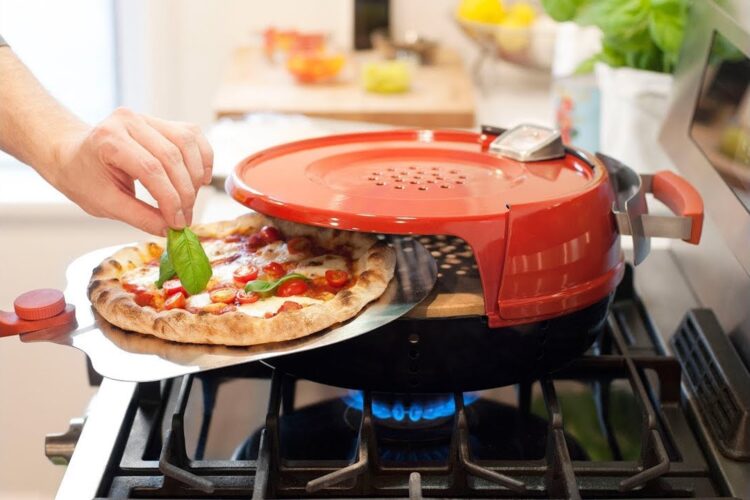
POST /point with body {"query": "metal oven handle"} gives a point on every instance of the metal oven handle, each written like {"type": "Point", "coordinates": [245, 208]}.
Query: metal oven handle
{"type": "Point", "coordinates": [631, 209]}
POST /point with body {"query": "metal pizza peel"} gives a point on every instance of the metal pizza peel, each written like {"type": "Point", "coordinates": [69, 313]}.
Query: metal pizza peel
{"type": "Point", "coordinates": [129, 356]}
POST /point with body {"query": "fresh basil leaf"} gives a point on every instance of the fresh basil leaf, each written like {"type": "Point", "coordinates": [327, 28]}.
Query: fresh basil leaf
{"type": "Point", "coordinates": [611, 55]}
{"type": "Point", "coordinates": [563, 10]}
{"type": "Point", "coordinates": [666, 24]}
{"type": "Point", "coordinates": [643, 34]}
{"type": "Point", "coordinates": [189, 260]}
{"type": "Point", "coordinates": [166, 269]}
{"type": "Point", "coordinates": [586, 67]}
{"type": "Point", "coordinates": [259, 286]}
{"type": "Point", "coordinates": [291, 277]}
{"type": "Point", "coordinates": [618, 18]}
{"type": "Point", "coordinates": [265, 287]}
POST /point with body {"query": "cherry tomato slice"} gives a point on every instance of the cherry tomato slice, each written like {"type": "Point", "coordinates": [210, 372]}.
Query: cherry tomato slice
{"type": "Point", "coordinates": [233, 238]}
{"type": "Point", "coordinates": [133, 288]}
{"type": "Point", "coordinates": [215, 284]}
{"type": "Point", "coordinates": [300, 244]}
{"type": "Point", "coordinates": [289, 306]}
{"type": "Point", "coordinates": [319, 283]}
{"type": "Point", "coordinates": [274, 269]}
{"type": "Point", "coordinates": [245, 273]}
{"type": "Point", "coordinates": [175, 301]}
{"type": "Point", "coordinates": [244, 297]}
{"type": "Point", "coordinates": [172, 287]}
{"type": "Point", "coordinates": [148, 298]}
{"type": "Point", "coordinates": [296, 286]}
{"type": "Point", "coordinates": [255, 241]}
{"type": "Point", "coordinates": [223, 295]}
{"type": "Point", "coordinates": [337, 278]}
{"type": "Point", "coordinates": [270, 234]}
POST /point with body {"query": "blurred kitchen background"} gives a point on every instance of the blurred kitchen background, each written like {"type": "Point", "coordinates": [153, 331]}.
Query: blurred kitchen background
{"type": "Point", "coordinates": [255, 73]}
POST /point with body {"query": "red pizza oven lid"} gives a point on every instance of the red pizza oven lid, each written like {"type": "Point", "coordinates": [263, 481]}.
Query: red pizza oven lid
{"type": "Point", "coordinates": [404, 181]}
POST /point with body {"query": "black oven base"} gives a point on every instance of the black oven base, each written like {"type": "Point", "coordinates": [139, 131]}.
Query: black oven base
{"type": "Point", "coordinates": [450, 354]}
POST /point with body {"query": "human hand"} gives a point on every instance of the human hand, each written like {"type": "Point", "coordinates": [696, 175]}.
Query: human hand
{"type": "Point", "coordinates": [97, 169]}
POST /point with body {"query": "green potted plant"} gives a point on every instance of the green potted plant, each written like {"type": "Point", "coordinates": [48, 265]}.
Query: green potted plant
{"type": "Point", "coordinates": [641, 42]}
{"type": "Point", "coordinates": [640, 34]}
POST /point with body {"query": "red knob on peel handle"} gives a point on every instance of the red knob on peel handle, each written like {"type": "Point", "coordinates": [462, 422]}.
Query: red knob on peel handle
{"type": "Point", "coordinates": [39, 304]}
{"type": "Point", "coordinates": [37, 310]}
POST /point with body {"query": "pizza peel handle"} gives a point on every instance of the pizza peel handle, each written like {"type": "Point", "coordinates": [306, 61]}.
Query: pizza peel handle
{"type": "Point", "coordinates": [37, 310]}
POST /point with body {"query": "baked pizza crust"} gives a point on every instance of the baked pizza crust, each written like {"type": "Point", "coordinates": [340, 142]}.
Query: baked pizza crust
{"type": "Point", "coordinates": [373, 267]}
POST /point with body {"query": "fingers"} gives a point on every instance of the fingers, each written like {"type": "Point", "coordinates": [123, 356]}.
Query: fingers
{"type": "Point", "coordinates": [207, 155]}
{"type": "Point", "coordinates": [196, 151]}
{"type": "Point", "coordinates": [125, 153]}
{"type": "Point", "coordinates": [135, 212]}
{"type": "Point", "coordinates": [171, 159]}
{"type": "Point", "coordinates": [185, 139]}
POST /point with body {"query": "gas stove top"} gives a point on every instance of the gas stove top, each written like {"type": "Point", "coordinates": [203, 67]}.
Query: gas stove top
{"type": "Point", "coordinates": [612, 424]}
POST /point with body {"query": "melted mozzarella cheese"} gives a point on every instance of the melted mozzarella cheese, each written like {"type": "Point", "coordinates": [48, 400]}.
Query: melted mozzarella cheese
{"type": "Point", "coordinates": [224, 273]}
{"type": "Point", "coordinates": [317, 266]}
{"type": "Point", "coordinates": [143, 276]}
{"type": "Point", "coordinates": [256, 309]}
{"type": "Point", "coordinates": [272, 304]}
{"type": "Point", "coordinates": [198, 301]}
{"type": "Point", "coordinates": [219, 249]}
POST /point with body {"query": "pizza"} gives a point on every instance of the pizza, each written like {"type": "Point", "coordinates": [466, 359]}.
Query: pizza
{"type": "Point", "coordinates": [324, 276]}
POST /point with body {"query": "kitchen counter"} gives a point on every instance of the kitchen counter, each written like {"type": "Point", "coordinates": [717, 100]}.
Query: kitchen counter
{"type": "Point", "coordinates": [442, 95]}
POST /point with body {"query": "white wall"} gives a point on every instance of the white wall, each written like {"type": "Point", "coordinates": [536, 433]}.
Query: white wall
{"type": "Point", "coordinates": [69, 49]}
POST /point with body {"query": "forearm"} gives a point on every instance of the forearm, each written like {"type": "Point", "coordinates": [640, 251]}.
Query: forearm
{"type": "Point", "coordinates": [33, 125]}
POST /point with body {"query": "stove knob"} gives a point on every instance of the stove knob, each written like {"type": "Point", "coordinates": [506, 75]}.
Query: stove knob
{"type": "Point", "coordinates": [59, 447]}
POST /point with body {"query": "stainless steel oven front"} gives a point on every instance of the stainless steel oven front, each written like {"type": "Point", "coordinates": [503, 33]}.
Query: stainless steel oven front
{"type": "Point", "coordinates": [706, 134]}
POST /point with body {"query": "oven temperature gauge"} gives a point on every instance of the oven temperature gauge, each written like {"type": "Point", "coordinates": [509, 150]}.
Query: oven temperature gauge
{"type": "Point", "coordinates": [529, 143]}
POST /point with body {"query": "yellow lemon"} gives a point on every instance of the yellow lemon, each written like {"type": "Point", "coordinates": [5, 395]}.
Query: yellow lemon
{"type": "Point", "coordinates": [519, 15]}
{"type": "Point", "coordinates": [483, 11]}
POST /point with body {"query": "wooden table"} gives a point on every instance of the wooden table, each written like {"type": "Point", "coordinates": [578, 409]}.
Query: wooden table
{"type": "Point", "coordinates": [442, 95]}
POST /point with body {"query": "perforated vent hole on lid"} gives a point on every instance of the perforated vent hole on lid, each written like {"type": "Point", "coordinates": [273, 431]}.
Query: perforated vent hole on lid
{"type": "Point", "coordinates": [412, 177]}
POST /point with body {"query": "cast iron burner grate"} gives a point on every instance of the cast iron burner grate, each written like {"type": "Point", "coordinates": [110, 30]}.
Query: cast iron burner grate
{"type": "Point", "coordinates": [670, 465]}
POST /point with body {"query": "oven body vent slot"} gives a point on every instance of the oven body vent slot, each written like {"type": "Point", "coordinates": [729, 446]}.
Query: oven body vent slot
{"type": "Point", "coordinates": [717, 380]}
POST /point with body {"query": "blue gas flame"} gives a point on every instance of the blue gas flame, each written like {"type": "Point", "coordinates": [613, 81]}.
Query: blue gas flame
{"type": "Point", "coordinates": [440, 407]}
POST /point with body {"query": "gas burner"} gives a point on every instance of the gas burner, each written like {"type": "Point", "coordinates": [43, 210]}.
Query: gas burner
{"type": "Point", "coordinates": [409, 410]}
{"type": "Point", "coordinates": [496, 431]}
